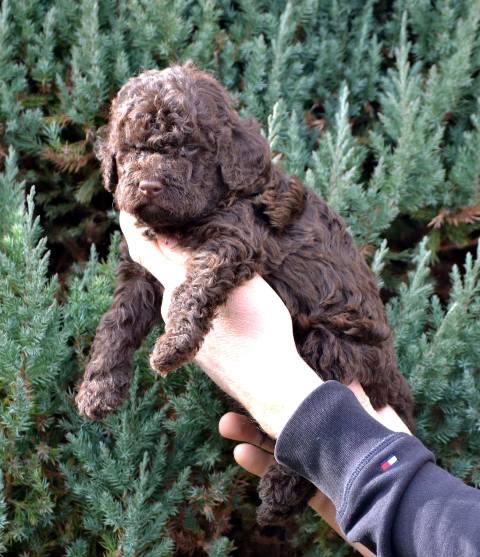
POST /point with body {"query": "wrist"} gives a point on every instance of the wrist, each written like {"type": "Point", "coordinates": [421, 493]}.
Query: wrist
{"type": "Point", "coordinates": [263, 372]}
{"type": "Point", "coordinates": [289, 384]}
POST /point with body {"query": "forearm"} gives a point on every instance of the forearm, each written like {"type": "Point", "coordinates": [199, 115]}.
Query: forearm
{"type": "Point", "coordinates": [411, 507]}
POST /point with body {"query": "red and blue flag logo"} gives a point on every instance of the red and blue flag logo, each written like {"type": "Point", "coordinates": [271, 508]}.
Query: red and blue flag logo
{"type": "Point", "coordinates": [387, 464]}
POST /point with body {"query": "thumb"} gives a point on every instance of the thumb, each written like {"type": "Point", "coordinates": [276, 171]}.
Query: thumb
{"type": "Point", "coordinates": [362, 398]}
{"type": "Point", "coordinates": [161, 257]}
{"type": "Point", "coordinates": [386, 415]}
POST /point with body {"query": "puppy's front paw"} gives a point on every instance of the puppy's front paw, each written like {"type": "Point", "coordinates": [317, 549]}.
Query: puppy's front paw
{"type": "Point", "coordinates": [90, 401]}
{"type": "Point", "coordinates": [171, 352]}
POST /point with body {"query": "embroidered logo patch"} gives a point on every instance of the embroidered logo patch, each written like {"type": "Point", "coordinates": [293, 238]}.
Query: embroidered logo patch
{"type": "Point", "coordinates": [387, 464]}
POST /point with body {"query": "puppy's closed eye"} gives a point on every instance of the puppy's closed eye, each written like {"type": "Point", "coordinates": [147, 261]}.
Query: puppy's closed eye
{"type": "Point", "coordinates": [149, 150]}
{"type": "Point", "coordinates": [189, 150]}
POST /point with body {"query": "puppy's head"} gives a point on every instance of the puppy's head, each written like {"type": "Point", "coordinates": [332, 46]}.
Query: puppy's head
{"type": "Point", "coordinates": [175, 148]}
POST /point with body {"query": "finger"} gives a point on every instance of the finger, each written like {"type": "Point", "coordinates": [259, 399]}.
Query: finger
{"type": "Point", "coordinates": [168, 245]}
{"type": "Point", "coordinates": [239, 428]}
{"type": "Point", "coordinates": [127, 222]}
{"type": "Point", "coordinates": [141, 249]}
{"type": "Point", "coordinates": [160, 257]}
{"type": "Point", "coordinates": [362, 398]}
{"type": "Point", "coordinates": [133, 230]}
{"type": "Point", "coordinates": [386, 415]}
{"type": "Point", "coordinates": [252, 459]}
{"type": "Point", "coordinates": [166, 299]}
{"type": "Point", "coordinates": [392, 420]}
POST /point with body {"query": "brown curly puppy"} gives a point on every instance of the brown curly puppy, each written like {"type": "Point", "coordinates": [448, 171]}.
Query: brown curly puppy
{"type": "Point", "coordinates": [179, 158]}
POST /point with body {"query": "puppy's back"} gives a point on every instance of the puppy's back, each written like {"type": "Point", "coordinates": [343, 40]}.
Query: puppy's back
{"type": "Point", "coordinates": [338, 316]}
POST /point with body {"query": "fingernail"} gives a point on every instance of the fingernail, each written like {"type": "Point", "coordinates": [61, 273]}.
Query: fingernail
{"type": "Point", "coordinates": [169, 241]}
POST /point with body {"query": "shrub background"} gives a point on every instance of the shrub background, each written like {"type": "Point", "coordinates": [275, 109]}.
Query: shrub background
{"type": "Point", "coordinates": [374, 104]}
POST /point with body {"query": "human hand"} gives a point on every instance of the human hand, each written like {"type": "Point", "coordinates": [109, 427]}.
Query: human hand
{"type": "Point", "coordinates": [250, 352]}
{"type": "Point", "coordinates": [255, 455]}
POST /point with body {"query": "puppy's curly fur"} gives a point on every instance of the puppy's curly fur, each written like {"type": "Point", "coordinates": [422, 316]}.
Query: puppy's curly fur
{"type": "Point", "coordinates": [178, 156]}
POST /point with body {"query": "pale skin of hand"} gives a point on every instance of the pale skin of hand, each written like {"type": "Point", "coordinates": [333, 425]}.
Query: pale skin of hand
{"type": "Point", "coordinates": [250, 353]}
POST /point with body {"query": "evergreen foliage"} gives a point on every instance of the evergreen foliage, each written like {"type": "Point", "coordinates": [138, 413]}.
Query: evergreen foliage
{"type": "Point", "coordinates": [442, 364]}
{"type": "Point", "coordinates": [32, 347]}
{"type": "Point", "coordinates": [151, 478]}
{"type": "Point", "coordinates": [411, 114]}
{"type": "Point", "coordinates": [374, 104]}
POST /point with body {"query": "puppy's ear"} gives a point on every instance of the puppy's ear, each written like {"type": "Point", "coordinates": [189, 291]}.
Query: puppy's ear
{"type": "Point", "coordinates": [106, 156]}
{"type": "Point", "coordinates": [244, 156]}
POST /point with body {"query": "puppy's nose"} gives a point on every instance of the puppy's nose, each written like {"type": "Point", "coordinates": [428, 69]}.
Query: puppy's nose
{"type": "Point", "coordinates": [150, 187]}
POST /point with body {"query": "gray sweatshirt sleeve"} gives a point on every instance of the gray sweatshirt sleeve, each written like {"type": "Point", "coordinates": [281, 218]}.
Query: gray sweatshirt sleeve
{"type": "Point", "coordinates": [387, 490]}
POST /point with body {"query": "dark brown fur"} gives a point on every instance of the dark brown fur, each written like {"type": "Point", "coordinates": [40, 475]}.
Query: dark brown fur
{"type": "Point", "coordinates": [218, 192]}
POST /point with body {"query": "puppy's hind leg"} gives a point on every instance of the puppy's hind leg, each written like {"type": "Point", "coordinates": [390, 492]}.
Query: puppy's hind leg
{"type": "Point", "coordinates": [283, 494]}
